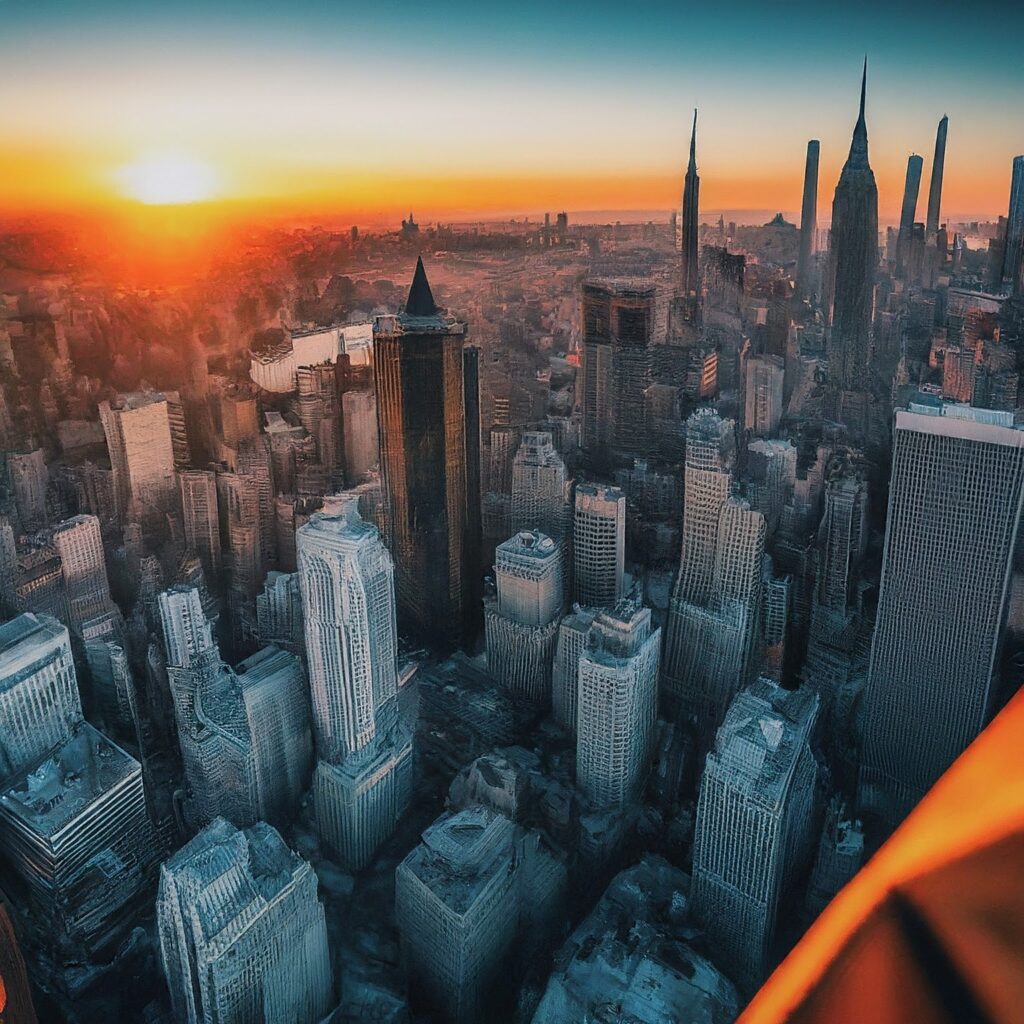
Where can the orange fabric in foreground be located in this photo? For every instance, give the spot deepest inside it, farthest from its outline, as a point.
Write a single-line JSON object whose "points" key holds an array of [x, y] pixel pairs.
{"points": [[932, 929]]}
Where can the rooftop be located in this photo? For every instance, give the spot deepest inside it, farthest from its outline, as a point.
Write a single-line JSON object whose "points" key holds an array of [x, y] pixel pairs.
{"points": [[760, 740], [460, 853], [26, 640], [61, 785]]}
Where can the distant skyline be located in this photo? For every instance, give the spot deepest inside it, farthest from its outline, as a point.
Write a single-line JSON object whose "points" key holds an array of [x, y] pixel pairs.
{"points": [[367, 110]]}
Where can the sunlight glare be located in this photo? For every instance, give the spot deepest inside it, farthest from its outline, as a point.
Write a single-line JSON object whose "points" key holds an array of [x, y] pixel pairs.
{"points": [[167, 178]]}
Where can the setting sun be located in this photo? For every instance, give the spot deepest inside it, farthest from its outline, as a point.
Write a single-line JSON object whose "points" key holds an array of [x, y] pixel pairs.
{"points": [[167, 178]]}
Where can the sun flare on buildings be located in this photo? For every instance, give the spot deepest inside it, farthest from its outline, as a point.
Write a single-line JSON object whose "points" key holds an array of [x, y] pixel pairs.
{"points": [[166, 179]]}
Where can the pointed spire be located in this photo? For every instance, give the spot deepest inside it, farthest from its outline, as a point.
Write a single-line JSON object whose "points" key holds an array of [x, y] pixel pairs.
{"points": [[693, 142], [421, 299], [859, 146]]}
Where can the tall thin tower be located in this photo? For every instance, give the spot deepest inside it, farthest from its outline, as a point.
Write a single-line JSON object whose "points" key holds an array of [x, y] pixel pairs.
{"points": [[690, 272], [808, 219], [428, 414], [910, 191], [935, 191], [854, 260]]}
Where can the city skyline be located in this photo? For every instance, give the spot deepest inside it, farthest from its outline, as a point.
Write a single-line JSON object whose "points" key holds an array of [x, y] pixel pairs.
{"points": [[102, 109]]}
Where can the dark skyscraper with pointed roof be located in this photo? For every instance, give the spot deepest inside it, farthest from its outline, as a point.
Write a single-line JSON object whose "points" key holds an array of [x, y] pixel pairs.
{"points": [[689, 270], [935, 190], [428, 415], [854, 261], [808, 221]]}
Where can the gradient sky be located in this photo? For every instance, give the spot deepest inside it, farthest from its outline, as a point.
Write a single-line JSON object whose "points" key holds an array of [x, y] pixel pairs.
{"points": [[454, 108]]}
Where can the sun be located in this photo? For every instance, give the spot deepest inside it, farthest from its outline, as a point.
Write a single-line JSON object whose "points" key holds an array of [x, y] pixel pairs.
{"points": [[167, 178]]}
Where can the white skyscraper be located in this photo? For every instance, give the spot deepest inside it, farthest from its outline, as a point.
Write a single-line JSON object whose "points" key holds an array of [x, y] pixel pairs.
{"points": [[475, 888], [91, 610], [618, 706], [540, 487], [572, 638], [78, 844], [363, 775], [242, 933], [754, 831], [39, 700], [713, 631], [244, 733], [522, 622], [955, 502], [599, 545]]}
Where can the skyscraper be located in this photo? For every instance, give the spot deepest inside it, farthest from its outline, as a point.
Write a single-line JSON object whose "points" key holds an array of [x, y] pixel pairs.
{"points": [[80, 546], [364, 752], [244, 733], [522, 622], [907, 214], [572, 638], [618, 705], [39, 699], [762, 408], [78, 845], [29, 479], [619, 327], [145, 438], [955, 500], [853, 262], [1014, 251], [689, 272], [540, 487], [754, 829], [202, 521], [808, 222], [935, 189], [242, 933], [599, 545], [475, 887], [428, 413], [711, 648]]}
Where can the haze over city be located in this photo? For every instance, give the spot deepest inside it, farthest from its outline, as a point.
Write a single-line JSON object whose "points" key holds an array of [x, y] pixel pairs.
{"points": [[511, 514]]}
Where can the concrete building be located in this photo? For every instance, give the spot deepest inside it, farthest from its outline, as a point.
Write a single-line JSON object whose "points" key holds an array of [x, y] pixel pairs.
{"points": [[279, 612], [39, 700], [364, 750], [762, 406], [646, 972], [620, 323], [753, 831], [146, 441], [77, 844], [244, 734], [428, 412], [476, 888], [572, 638], [29, 479], [617, 706], [540, 487], [79, 544], [599, 545], [202, 519], [521, 622], [955, 503], [242, 933], [713, 631], [359, 431]]}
